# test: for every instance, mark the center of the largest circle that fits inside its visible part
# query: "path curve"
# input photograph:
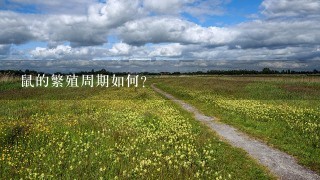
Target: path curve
(279, 163)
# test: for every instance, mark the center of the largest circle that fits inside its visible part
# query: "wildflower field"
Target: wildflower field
(282, 111)
(118, 133)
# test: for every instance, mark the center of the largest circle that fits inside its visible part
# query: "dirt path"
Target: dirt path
(279, 163)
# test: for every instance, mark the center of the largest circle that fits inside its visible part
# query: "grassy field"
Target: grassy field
(283, 111)
(110, 133)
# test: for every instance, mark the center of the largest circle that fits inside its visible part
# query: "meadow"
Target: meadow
(283, 111)
(111, 133)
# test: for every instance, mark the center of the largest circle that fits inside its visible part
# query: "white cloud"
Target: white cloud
(115, 12)
(206, 8)
(80, 30)
(19, 29)
(169, 50)
(196, 8)
(169, 29)
(121, 49)
(61, 52)
(54, 6)
(166, 6)
(277, 33)
(283, 65)
(14, 29)
(289, 29)
(77, 30)
(284, 53)
(289, 8)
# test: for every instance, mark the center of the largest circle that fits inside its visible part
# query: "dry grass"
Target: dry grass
(8, 78)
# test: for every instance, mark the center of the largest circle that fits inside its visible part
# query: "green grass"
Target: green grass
(110, 133)
(282, 111)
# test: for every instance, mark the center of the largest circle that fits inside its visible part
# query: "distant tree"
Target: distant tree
(103, 71)
(266, 71)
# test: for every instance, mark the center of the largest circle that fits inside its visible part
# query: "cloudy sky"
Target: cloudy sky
(160, 29)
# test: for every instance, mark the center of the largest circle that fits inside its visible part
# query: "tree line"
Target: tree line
(210, 72)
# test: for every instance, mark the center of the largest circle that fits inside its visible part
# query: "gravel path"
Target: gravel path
(279, 163)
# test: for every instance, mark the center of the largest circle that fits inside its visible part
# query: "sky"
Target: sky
(214, 30)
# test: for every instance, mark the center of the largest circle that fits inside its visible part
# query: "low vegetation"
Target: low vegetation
(282, 111)
(109, 133)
